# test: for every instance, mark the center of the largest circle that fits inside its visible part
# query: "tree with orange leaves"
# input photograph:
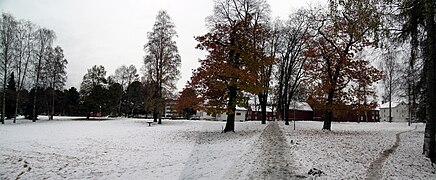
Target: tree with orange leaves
(187, 102)
(236, 57)
(337, 77)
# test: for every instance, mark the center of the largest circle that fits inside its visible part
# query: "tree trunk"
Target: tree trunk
(286, 113)
(119, 108)
(230, 124)
(154, 116)
(4, 103)
(328, 120)
(16, 106)
(390, 99)
(329, 113)
(430, 70)
(52, 105)
(5, 77)
(263, 103)
(159, 118)
(36, 87)
(34, 105)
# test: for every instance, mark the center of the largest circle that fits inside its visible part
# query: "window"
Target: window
(238, 114)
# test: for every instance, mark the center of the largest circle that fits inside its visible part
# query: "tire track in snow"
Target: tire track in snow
(375, 168)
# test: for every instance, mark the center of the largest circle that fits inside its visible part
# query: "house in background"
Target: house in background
(399, 112)
(297, 111)
(170, 111)
(240, 115)
(300, 111)
(349, 115)
(255, 114)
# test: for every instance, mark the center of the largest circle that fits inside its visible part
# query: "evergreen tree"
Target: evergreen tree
(135, 97)
(10, 98)
(71, 101)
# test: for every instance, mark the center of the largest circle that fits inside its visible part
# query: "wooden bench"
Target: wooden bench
(149, 123)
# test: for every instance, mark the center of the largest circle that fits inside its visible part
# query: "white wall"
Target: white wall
(239, 116)
(399, 113)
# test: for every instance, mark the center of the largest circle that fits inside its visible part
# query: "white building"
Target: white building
(170, 111)
(399, 112)
(240, 115)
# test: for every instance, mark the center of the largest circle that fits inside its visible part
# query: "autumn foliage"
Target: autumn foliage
(232, 66)
(187, 103)
(337, 77)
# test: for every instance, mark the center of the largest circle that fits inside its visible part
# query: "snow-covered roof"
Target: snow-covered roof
(386, 105)
(300, 106)
(241, 108)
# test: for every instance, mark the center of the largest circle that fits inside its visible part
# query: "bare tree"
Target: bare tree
(24, 49)
(291, 60)
(8, 26)
(125, 75)
(55, 71)
(391, 69)
(162, 60)
(43, 41)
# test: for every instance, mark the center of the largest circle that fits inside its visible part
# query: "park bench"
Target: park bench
(149, 123)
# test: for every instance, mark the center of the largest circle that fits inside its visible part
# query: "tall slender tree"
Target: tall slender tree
(391, 69)
(24, 50)
(8, 26)
(55, 72)
(418, 25)
(43, 41)
(162, 61)
(291, 60)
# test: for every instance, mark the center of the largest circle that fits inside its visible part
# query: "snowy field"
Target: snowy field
(130, 149)
(347, 151)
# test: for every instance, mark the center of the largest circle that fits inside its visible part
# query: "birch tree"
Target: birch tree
(391, 79)
(8, 27)
(24, 50)
(43, 41)
(55, 71)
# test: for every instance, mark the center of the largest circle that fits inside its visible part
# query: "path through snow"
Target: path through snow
(375, 168)
(269, 157)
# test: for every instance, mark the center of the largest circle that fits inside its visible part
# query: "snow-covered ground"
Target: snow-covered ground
(121, 149)
(347, 151)
(130, 149)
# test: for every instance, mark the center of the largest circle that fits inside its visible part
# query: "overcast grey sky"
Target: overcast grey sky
(112, 32)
